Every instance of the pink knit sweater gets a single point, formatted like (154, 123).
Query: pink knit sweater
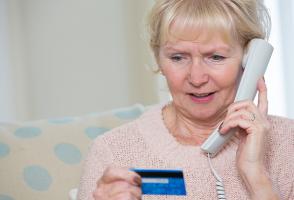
(146, 143)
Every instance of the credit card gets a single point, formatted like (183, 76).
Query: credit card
(161, 182)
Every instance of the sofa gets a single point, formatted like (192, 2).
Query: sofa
(43, 159)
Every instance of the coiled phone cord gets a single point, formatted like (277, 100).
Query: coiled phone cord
(220, 190)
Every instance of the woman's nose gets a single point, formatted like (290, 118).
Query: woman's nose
(197, 74)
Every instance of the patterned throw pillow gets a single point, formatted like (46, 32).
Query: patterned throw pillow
(42, 159)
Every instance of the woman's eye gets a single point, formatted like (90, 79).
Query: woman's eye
(176, 58)
(217, 58)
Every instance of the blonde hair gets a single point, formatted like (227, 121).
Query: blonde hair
(241, 19)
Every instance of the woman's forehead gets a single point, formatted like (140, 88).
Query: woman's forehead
(192, 45)
(178, 33)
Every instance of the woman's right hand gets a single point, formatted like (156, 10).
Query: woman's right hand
(118, 184)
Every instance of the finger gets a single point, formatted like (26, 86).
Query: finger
(136, 191)
(245, 104)
(112, 174)
(262, 97)
(114, 189)
(126, 196)
(100, 194)
(238, 115)
(119, 187)
(242, 123)
(223, 129)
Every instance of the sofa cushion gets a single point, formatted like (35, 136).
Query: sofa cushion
(42, 159)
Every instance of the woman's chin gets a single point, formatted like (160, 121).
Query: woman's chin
(205, 116)
(200, 113)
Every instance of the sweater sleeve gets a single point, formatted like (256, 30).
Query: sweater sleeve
(285, 174)
(98, 158)
(286, 170)
(281, 157)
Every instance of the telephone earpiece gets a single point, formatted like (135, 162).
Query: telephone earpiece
(244, 60)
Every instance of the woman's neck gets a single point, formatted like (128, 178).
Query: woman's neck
(187, 131)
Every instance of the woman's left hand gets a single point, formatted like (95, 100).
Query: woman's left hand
(253, 126)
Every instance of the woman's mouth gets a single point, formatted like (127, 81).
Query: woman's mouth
(202, 97)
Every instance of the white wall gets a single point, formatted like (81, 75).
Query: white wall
(72, 57)
(69, 57)
(286, 16)
(275, 74)
(279, 76)
(7, 111)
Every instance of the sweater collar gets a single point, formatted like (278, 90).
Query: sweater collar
(158, 137)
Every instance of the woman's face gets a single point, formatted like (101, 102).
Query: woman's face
(202, 74)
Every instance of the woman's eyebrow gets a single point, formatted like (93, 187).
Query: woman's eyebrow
(172, 47)
(202, 48)
(213, 48)
(177, 48)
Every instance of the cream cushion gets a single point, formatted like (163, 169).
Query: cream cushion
(42, 159)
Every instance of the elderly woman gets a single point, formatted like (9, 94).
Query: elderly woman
(198, 46)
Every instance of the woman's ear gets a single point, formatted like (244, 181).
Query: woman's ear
(159, 68)
(160, 71)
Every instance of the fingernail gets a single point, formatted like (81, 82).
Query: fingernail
(220, 127)
(137, 180)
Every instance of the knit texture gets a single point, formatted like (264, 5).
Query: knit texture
(147, 143)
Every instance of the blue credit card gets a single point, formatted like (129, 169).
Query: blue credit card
(162, 182)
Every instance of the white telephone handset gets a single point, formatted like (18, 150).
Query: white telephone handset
(254, 63)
